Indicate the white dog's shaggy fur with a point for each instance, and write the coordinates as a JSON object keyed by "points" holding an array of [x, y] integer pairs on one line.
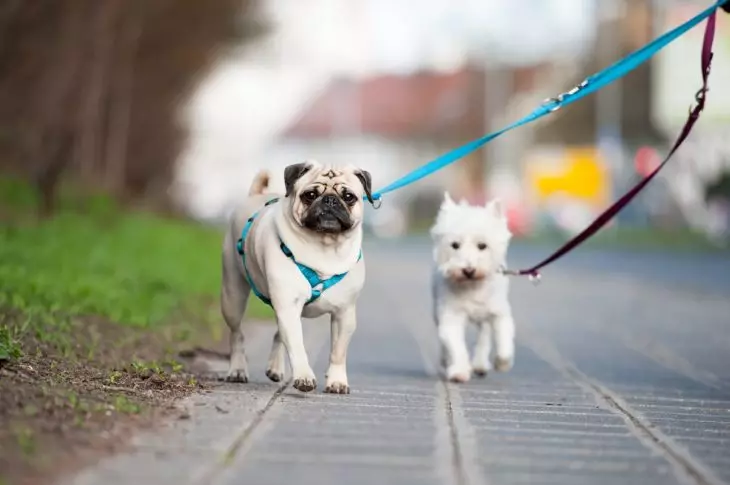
{"points": [[470, 249]]}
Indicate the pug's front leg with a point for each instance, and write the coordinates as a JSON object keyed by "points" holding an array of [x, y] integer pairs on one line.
{"points": [[343, 326], [289, 321]]}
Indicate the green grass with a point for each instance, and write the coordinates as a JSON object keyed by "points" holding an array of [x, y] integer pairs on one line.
{"points": [[10, 348], [132, 268]]}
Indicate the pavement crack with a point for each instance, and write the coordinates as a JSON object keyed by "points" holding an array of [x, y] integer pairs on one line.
{"points": [[673, 453], [457, 458], [460, 439], [243, 439], [687, 468]]}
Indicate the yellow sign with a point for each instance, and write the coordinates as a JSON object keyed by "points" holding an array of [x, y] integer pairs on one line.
{"points": [[577, 173]]}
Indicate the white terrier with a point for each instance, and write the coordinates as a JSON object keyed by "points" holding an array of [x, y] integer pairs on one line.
{"points": [[470, 248]]}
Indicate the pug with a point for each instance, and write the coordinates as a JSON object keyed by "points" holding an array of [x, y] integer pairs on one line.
{"points": [[301, 253]]}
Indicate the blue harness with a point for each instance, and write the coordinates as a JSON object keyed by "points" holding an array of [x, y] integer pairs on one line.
{"points": [[317, 284]]}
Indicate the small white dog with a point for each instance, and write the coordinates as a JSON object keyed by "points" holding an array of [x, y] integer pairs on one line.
{"points": [[470, 249], [300, 253]]}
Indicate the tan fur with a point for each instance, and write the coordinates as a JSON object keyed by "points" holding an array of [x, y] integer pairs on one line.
{"points": [[275, 275], [260, 183], [329, 180]]}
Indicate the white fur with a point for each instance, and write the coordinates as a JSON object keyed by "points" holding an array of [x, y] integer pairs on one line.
{"points": [[470, 249]]}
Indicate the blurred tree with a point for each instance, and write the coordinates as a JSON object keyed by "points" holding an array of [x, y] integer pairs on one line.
{"points": [[91, 88]]}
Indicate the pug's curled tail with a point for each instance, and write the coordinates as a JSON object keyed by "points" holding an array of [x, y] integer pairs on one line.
{"points": [[260, 183]]}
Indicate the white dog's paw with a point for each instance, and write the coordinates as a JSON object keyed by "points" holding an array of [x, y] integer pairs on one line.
{"points": [[503, 364], [481, 367], [481, 370], [305, 382], [237, 375], [458, 374], [336, 380]]}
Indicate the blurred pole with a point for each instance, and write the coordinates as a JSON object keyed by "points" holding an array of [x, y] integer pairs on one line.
{"points": [[658, 14], [497, 91], [609, 99]]}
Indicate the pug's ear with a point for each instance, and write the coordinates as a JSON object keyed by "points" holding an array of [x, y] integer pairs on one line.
{"points": [[292, 173], [367, 183]]}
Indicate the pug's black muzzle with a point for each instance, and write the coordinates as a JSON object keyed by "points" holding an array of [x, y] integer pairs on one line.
{"points": [[329, 215]]}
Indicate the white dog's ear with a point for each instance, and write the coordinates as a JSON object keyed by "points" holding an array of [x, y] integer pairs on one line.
{"points": [[496, 208], [448, 201]]}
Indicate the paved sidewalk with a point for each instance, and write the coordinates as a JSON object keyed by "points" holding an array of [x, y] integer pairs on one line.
{"points": [[620, 377]]}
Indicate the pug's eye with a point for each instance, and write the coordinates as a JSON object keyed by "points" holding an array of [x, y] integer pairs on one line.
{"points": [[309, 196], [349, 198], [455, 245], [482, 246]]}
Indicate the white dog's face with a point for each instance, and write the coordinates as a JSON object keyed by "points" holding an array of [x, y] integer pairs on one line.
{"points": [[470, 242], [326, 199]]}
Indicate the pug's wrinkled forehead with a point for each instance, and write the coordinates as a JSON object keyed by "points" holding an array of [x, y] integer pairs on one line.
{"points": [[321, 179], [330, 179]]}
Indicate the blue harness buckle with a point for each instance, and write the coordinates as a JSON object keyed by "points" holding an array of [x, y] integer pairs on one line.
{"points": [[317, 284]]}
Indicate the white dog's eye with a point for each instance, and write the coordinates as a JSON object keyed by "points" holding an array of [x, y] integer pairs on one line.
{"points": [[455, 245], [349, 197], [482, 246]]}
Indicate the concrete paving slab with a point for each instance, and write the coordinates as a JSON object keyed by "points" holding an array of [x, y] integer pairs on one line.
{"points": [[622, 376]]}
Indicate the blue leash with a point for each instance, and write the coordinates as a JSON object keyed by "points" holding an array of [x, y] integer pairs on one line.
{"points": [[591, 84]]}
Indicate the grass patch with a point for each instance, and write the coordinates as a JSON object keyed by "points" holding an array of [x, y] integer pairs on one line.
{"points": [[95, 304], [132, 268], [9, 345]]}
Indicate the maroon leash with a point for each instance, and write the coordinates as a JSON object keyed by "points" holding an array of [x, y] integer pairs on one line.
{"points": [[608, 214]]}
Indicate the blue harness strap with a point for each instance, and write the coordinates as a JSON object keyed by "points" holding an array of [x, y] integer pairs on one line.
{"points": [[317, 284], [241, 244]]}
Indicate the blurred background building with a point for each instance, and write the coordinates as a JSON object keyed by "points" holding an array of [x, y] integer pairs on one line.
{"points": [[389, 86], [188, 113]]}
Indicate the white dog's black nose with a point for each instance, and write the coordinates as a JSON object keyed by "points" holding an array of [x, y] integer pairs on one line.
{"points": [[469, 272]]}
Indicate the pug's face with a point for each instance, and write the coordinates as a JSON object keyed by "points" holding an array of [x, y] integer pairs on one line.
{"points": [[326, 199]]}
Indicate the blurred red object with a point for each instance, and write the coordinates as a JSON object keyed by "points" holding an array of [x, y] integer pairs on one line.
{"points": [[646, 160], [518, 219]]}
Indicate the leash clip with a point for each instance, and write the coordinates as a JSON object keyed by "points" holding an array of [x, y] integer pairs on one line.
{"points": [[377, 203], [507, 272], [700, 94], [557, 101], [533, 276]]}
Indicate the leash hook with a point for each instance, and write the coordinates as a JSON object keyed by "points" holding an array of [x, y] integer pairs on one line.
{"points": [[557, 101], [377, 203], [700, 94]]}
